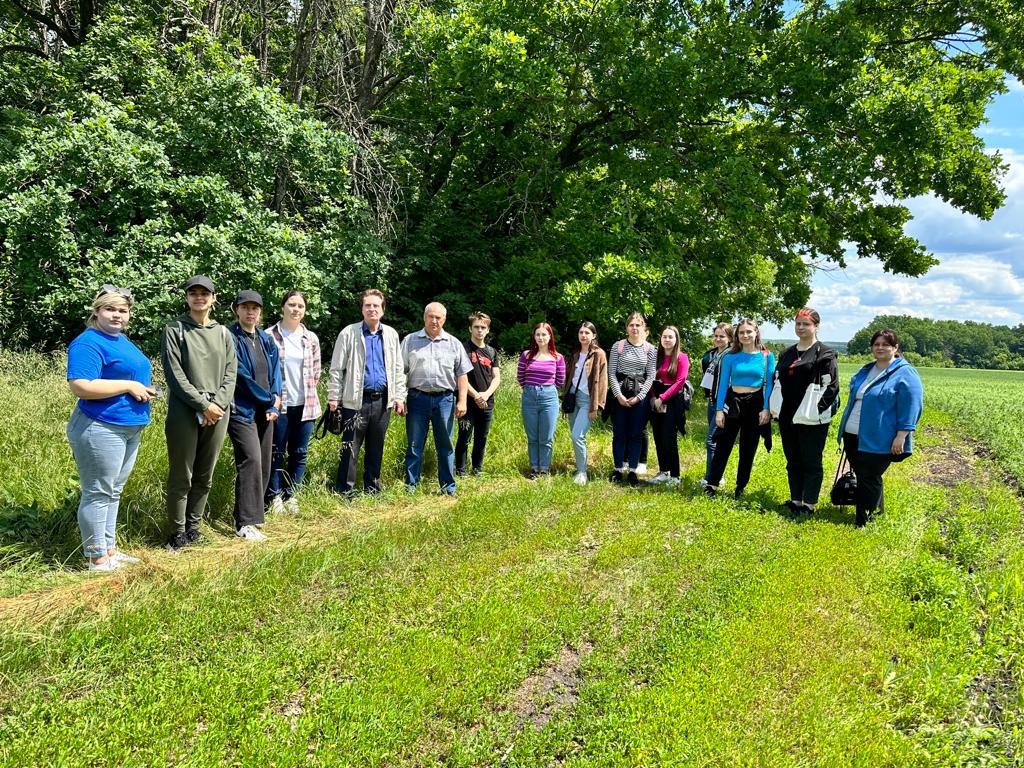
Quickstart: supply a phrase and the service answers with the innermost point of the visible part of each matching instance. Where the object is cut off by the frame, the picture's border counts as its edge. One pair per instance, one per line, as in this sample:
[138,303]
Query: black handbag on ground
[844,487]
[329,421]
[569,398]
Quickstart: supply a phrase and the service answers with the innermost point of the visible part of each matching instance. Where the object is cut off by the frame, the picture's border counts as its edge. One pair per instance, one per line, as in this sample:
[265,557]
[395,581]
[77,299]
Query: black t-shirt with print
[484,360]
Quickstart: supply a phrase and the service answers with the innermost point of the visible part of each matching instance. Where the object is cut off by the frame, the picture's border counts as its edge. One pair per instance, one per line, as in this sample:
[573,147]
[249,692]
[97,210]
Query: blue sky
[980,275]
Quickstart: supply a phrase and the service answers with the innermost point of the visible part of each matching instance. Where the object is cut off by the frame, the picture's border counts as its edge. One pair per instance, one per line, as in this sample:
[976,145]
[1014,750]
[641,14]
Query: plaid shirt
[310,369]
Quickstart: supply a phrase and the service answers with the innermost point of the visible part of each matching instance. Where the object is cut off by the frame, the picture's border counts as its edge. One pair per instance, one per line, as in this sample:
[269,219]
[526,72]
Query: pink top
[674,385]
[539,373]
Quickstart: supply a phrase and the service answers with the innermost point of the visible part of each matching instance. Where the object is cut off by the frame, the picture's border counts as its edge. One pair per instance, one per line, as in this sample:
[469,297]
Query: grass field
[526,624]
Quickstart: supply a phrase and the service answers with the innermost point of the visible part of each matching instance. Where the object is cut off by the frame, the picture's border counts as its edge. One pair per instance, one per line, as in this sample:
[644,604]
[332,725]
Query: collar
[368,332]
[423,334]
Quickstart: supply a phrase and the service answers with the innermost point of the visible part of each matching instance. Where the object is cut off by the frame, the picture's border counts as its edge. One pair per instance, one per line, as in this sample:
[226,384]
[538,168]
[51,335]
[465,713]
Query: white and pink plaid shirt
[310,369]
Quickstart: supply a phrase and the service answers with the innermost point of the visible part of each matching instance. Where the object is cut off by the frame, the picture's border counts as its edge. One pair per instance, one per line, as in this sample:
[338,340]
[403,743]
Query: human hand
[594,415]
[481,401]
[277,402]
[623,401]
[140,392]
[764,417]
[332,405]
[460,409]
[899,444]
[212,415]
[272,416]
[400,409]
[656,404]
[720,419]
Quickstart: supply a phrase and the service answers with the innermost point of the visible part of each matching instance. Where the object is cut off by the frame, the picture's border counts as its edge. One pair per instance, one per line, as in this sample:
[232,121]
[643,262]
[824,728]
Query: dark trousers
[869,468]
[192,453]
[803,445]
[628,425]
[365,428]
[749,431]
[665,428]
[473,427]
[253,443]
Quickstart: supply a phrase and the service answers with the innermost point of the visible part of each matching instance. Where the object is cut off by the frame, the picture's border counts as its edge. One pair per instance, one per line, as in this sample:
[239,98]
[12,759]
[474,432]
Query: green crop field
[523,624]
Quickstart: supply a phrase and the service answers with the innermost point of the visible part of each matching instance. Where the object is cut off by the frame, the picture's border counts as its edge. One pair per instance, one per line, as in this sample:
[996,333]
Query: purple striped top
[539,373]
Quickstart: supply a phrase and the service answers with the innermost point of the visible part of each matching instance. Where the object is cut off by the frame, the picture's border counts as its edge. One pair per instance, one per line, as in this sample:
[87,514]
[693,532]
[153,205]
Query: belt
[374,394]
[434,392]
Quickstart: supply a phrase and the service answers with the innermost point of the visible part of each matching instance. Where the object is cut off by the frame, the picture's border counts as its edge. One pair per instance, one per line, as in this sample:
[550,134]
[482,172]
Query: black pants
[664,427]
[749,407]
[253,443]
[473,427]
[869,468]
[803,445]
[369,426]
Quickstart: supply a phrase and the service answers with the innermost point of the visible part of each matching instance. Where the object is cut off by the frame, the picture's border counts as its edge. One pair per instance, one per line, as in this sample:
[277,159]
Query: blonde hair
[104,299]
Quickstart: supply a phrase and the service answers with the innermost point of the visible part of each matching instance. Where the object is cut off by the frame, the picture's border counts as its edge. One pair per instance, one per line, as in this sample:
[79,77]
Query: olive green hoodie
[199,362]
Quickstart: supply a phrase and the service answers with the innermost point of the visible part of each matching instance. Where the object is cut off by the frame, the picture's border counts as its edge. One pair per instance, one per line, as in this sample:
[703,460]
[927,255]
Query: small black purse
[329,421]
[844,487]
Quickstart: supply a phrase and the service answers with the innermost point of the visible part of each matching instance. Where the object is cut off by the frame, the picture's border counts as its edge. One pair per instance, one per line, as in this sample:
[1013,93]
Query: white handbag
[775,400]
[807,412]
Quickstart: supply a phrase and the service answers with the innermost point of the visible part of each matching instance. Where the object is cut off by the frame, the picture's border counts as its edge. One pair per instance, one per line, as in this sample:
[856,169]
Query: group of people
[259,388]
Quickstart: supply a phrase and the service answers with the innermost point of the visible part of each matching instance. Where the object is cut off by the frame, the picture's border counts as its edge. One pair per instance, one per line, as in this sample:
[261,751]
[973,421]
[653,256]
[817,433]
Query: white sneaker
[658,479]
[110,564]
[292,506]
[672,482]
[250,533]
[641,469]
[580,478]
[122,559]
[276,506]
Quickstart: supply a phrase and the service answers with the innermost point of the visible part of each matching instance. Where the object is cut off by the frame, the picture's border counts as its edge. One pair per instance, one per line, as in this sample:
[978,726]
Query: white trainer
[641,469]
[672,482]
[292,506]
[276,506]
[110,564]
[250,533]
[580,478]
[121,558]
[658,479]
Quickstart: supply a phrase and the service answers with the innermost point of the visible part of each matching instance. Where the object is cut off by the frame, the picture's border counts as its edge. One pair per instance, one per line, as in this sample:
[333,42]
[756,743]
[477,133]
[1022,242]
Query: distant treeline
[941,343]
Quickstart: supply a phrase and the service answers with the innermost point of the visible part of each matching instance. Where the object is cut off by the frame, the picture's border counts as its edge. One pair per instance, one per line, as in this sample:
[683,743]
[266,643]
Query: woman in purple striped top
[541,373]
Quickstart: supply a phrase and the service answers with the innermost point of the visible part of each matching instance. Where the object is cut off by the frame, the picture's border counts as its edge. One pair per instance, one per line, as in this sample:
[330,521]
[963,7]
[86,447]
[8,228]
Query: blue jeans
[291,438]
[628,427]
[105,455]
[425,409]
[580,425]
[709,443]
[540,415]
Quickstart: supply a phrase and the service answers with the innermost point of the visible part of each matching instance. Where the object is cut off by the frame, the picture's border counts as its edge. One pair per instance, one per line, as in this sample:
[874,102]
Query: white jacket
[348,364]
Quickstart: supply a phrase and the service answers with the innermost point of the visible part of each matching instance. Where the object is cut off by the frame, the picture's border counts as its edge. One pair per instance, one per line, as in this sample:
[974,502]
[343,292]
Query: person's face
[478,329]
[805,328]
[112,318]
[746,334]
[199,299]
[720,339]
[636,328]
[248,314]
[668,339]
[542,337]
[433,321]
[586,337]
[883,350]
[294,309]
[373,310]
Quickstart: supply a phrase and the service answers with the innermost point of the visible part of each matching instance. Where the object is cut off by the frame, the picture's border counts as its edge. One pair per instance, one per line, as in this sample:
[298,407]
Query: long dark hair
[673,367]
[593,344]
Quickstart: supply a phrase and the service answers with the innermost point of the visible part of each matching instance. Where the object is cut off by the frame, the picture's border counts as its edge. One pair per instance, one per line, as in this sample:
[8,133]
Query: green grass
[526,624]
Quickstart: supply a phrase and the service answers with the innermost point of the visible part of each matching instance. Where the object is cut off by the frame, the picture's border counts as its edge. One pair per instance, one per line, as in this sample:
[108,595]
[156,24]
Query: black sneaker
[615,477]
[192,535]
[632,480]
[176,542]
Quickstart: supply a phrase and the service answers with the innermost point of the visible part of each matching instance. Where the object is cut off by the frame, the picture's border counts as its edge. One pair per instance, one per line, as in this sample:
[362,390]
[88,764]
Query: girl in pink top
[668,415]
[541,373]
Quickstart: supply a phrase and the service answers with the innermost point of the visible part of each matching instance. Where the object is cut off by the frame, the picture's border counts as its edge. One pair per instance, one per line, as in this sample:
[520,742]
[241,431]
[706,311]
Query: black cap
[202,281]
[244,296]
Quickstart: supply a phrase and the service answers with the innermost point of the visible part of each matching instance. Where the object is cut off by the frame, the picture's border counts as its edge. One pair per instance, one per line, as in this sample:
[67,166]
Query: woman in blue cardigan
[885,403]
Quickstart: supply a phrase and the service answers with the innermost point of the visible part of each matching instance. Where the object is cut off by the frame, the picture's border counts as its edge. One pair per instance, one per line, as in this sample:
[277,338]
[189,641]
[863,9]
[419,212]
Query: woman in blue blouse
[111,379]
[885,403]
[741,405]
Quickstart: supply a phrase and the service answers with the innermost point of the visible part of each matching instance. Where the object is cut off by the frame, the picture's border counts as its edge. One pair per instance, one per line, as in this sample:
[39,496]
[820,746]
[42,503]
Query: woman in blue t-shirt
[111,378]
[741,404]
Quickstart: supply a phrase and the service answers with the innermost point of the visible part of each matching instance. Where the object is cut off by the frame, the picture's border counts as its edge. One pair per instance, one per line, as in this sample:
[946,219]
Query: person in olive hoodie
[254,410]
[200,365]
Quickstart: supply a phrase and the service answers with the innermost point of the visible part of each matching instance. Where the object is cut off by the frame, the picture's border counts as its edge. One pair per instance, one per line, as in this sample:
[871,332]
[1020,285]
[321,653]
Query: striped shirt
[540,373]
[639,362]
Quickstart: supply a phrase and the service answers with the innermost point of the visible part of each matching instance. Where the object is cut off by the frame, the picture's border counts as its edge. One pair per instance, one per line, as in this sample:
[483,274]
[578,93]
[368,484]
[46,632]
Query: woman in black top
[806,362]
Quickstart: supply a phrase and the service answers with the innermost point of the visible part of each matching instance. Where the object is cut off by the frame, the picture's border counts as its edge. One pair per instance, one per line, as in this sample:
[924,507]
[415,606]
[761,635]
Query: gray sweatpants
[192,453]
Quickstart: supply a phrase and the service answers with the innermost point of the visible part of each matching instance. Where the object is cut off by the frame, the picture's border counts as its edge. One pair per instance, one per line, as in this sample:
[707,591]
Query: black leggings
[869,468]
[745,409]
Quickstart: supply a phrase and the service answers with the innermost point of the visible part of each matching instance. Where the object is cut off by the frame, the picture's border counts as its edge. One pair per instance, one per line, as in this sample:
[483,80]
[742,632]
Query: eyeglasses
[113,290]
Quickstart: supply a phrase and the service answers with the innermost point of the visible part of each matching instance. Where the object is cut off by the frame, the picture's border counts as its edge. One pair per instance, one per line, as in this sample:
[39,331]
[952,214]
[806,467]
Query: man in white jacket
[368,380]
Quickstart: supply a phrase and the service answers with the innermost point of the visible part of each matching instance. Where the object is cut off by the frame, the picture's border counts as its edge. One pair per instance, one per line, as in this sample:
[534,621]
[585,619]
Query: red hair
[534,349]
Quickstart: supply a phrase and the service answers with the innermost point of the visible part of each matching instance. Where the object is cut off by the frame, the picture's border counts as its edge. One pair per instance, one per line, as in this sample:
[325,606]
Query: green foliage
[938,343]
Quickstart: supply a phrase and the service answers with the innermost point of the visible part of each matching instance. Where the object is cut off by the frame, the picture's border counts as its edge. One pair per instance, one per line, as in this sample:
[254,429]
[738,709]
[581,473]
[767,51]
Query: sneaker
[672,482]
[192,535]
[632,480]
[580,478]
[616,477]
[534,474]
[276,506]
[250,533]
[292,506]
[710,491]
[703,483]
[123,559]
[658,479]
[110,564]
[641,469]
[176,542]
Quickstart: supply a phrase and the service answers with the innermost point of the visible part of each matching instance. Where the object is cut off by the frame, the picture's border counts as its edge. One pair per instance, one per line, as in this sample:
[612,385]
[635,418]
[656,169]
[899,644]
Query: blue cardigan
[892,402]
[250,396]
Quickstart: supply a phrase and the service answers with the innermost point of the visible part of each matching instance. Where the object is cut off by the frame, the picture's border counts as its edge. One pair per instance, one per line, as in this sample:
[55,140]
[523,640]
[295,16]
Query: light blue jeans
[105,455]
[540,415]
[580,424]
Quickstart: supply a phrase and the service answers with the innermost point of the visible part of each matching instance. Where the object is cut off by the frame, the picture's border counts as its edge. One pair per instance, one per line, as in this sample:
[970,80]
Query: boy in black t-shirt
[484,379]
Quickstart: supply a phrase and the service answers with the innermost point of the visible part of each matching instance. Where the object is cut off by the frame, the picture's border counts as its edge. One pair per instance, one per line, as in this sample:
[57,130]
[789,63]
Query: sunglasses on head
[113,290]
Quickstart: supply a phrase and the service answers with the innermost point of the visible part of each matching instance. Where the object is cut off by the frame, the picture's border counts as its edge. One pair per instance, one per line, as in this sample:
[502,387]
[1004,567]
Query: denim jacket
[893,402]
[250,396]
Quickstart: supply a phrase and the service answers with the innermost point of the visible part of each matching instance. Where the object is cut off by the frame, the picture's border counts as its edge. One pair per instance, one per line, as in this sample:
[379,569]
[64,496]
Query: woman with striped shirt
[541,373]
[632,365]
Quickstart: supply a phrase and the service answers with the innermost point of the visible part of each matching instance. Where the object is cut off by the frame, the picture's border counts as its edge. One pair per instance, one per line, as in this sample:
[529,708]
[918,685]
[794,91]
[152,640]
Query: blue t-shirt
[96,355]
[745,369]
